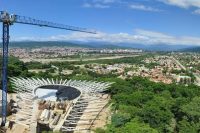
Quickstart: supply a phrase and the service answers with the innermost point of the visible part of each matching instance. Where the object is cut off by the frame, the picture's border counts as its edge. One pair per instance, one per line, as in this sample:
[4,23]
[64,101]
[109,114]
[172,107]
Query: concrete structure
[85,99]
[184,79]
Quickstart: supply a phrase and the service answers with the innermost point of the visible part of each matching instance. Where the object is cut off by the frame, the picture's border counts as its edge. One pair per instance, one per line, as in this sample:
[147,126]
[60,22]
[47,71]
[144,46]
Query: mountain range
[156,47]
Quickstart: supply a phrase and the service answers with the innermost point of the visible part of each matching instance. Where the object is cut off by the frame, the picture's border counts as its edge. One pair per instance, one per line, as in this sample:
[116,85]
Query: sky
[174,22]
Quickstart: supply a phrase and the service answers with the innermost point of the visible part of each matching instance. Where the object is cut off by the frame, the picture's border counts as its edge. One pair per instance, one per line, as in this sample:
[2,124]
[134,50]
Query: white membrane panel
[46,94]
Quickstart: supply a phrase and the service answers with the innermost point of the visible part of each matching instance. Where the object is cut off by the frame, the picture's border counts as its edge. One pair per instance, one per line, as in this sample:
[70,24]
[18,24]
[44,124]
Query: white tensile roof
[88,101]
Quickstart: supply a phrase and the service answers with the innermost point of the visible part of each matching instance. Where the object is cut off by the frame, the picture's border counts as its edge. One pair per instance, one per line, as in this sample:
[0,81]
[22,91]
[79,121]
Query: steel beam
[4,71]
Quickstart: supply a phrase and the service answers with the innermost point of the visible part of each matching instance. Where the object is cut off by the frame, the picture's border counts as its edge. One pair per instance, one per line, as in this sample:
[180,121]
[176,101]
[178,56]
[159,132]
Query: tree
[137,127]
[192,110]
[157,113]
[134,126]
[188,127]
[120,119]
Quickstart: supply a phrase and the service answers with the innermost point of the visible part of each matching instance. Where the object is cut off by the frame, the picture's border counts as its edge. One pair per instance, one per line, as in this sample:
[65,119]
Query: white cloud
[139,37]
[95,5]
[87,5]
[101,6]
[151,34]
[105,1]
[197,11]
[102,3]
[161,38]
[118,3]
[182,3]
[143,7]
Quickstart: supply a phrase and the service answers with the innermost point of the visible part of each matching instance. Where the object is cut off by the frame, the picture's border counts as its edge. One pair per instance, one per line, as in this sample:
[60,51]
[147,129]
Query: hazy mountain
[156,47]
[35,44]
[191,49]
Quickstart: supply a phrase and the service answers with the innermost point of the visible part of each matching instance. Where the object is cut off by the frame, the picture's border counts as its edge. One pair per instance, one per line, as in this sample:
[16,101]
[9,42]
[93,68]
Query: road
[177,62]
[197,76]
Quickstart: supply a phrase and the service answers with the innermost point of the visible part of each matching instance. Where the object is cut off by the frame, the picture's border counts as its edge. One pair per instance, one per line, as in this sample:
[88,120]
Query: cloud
[97,5]
[102,3]
[101,6]
[161,38]
[139,37]
[182,3]
[197,11]
[106,1]
[87,5]
[152,34]
[118,3]
[143,8]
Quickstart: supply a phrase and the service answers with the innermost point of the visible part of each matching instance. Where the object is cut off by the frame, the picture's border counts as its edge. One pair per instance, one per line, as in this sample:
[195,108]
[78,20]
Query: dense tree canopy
[142,106]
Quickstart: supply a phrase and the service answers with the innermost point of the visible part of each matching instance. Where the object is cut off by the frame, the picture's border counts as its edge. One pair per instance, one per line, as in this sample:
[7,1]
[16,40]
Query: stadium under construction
[56,105]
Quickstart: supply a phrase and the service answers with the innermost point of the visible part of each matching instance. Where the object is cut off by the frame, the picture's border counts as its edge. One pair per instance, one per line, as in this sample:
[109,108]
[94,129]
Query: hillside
[193,49]
[36,44]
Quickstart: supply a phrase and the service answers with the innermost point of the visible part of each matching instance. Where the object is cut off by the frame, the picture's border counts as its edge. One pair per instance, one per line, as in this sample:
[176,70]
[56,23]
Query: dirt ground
[103,119]
[18,129]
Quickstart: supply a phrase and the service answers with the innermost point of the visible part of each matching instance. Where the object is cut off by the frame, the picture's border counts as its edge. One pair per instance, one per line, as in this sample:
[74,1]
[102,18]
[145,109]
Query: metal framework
[9,19]
[81,113]
[4,70]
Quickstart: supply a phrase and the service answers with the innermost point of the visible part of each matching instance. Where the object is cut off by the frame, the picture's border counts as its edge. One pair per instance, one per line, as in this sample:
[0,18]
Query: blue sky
[117,21]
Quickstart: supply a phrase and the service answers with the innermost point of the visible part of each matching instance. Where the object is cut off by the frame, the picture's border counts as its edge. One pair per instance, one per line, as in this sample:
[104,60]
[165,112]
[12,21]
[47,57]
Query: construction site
[44,104]
[54,105]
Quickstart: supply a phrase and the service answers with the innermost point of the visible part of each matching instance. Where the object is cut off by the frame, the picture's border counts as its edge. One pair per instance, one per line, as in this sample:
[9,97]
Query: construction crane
[9,19]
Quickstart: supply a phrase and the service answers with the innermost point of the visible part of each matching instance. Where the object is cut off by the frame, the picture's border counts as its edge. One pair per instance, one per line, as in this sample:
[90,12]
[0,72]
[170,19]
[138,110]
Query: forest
[142,106]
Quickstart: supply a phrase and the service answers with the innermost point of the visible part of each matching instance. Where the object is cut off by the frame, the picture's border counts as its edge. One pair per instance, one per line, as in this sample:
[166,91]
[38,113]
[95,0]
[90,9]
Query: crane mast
[9,19]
